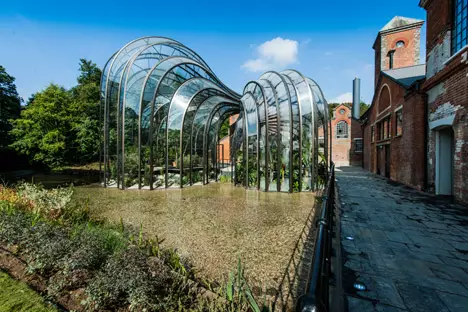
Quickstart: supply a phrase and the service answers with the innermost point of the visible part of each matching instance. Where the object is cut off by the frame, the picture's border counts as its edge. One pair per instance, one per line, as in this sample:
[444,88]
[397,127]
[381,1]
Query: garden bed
[83,264]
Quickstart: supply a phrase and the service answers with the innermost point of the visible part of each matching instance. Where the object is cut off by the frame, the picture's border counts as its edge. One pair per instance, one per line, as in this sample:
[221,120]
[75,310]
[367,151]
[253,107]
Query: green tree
[363,108]
[224,129]
[86,124]
[43,130]
[10,106]
[59,127]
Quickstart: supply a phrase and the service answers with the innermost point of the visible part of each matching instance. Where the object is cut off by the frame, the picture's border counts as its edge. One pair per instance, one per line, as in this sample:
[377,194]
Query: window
[342,130]
[399,122]
[459,27]
[384,129]
[342,111]
[400,44]
[372,134]
[391,54]
[358,148]
[321,141]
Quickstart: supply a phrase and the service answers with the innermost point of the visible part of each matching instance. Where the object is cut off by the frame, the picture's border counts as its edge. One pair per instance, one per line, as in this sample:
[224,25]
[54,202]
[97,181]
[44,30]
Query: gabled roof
[400,22]
[406,76]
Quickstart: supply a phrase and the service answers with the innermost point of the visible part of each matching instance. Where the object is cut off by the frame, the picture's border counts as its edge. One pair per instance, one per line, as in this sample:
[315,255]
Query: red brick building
[394,125]
[446,86]
[347,137]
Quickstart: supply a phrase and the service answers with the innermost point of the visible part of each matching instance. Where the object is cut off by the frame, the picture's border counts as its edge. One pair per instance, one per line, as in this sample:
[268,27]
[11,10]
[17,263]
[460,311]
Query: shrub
[45,245]
[14,225]
[50,203]
[130,278]
[90,251]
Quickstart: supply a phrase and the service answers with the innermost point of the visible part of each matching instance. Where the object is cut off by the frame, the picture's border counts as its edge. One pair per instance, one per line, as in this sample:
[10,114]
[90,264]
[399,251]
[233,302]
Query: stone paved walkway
[410,249]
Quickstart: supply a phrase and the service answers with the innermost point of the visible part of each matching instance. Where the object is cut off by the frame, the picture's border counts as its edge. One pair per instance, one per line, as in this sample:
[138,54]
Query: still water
[214,224]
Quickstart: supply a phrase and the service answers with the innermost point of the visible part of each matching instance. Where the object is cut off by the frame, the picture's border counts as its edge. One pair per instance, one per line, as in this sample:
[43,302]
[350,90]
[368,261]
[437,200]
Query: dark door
[378,159]
[387,161]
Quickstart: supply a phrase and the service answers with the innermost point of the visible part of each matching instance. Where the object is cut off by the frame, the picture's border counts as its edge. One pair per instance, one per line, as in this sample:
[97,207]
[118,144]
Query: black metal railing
[316,299]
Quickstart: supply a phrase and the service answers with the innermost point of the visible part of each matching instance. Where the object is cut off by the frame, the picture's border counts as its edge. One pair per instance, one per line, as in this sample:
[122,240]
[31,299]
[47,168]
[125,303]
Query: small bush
[45,245]
[50,203]
[14,225]
[90,251]
[130,278]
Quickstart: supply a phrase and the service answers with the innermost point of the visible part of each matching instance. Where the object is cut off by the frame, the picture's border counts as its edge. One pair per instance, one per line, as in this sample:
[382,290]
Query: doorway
[444,161]
[387,161]
[383,160]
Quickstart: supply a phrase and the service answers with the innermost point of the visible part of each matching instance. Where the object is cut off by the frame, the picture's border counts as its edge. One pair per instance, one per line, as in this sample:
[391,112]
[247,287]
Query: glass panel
[251,168]
[285,128]
[308,130]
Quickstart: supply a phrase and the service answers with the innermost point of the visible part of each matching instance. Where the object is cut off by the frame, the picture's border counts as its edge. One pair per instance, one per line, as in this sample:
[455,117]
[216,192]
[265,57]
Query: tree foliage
[10,106]
[59,126]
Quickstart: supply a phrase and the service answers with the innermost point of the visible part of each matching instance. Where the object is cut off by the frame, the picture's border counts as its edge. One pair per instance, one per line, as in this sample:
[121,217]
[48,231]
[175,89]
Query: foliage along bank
[60,127]
[108,267]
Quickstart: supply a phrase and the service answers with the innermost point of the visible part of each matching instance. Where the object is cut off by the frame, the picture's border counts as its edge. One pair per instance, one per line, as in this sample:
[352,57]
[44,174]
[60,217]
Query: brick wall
[409,55]
[341,146]
[439,19]
[447,90]
[448,97]
[407,150]
[355,158]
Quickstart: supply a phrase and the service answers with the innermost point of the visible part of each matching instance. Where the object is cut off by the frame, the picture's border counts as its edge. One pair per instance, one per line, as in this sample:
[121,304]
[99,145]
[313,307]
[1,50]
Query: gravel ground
[213,225]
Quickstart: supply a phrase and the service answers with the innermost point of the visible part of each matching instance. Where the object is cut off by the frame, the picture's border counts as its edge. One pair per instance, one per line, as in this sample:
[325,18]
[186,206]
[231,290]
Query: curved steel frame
[161,102]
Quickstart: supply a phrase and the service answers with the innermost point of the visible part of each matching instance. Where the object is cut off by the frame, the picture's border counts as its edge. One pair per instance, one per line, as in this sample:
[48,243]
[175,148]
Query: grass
[17,296]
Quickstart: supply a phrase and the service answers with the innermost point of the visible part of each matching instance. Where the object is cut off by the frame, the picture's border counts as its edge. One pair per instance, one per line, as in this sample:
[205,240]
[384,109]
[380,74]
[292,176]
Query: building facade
[446,86]
[341,135]
[393,127]
[346,147]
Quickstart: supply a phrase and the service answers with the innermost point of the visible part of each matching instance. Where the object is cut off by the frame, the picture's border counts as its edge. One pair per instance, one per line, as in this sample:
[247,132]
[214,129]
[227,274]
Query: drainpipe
[426,139]
[363,145]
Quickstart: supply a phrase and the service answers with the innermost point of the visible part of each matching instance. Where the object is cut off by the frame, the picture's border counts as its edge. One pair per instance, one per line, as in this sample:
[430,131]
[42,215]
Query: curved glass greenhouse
[163,108]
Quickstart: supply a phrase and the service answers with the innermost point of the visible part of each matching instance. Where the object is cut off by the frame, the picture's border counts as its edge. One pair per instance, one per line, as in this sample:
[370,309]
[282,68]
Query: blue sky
[330,41]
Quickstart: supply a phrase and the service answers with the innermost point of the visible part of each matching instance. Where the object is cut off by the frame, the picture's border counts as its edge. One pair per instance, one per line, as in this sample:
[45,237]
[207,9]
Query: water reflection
[214,224]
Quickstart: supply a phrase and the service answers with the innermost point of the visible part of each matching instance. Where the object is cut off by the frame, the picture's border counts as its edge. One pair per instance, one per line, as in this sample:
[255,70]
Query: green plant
[51,203]
[196,177]
[131,279]
[225,179]
[185,180]
[238,293]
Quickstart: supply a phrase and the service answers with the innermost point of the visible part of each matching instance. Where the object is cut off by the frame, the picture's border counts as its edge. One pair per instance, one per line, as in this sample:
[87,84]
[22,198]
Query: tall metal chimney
[356,98]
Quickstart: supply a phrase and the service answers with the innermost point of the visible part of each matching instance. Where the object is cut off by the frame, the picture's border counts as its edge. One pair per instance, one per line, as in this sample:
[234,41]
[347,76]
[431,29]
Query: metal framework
[162,109]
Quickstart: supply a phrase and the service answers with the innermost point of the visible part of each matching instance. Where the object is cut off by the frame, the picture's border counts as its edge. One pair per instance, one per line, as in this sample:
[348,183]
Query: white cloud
[274,54]
[343,98]
[328,53]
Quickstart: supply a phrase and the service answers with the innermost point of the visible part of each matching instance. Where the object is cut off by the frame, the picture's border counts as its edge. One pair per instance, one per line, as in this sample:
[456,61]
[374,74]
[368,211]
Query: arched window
[342,130]
[384,99]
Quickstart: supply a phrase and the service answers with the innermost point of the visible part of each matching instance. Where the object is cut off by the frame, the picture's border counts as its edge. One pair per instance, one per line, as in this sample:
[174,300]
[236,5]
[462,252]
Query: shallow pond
[214,224]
